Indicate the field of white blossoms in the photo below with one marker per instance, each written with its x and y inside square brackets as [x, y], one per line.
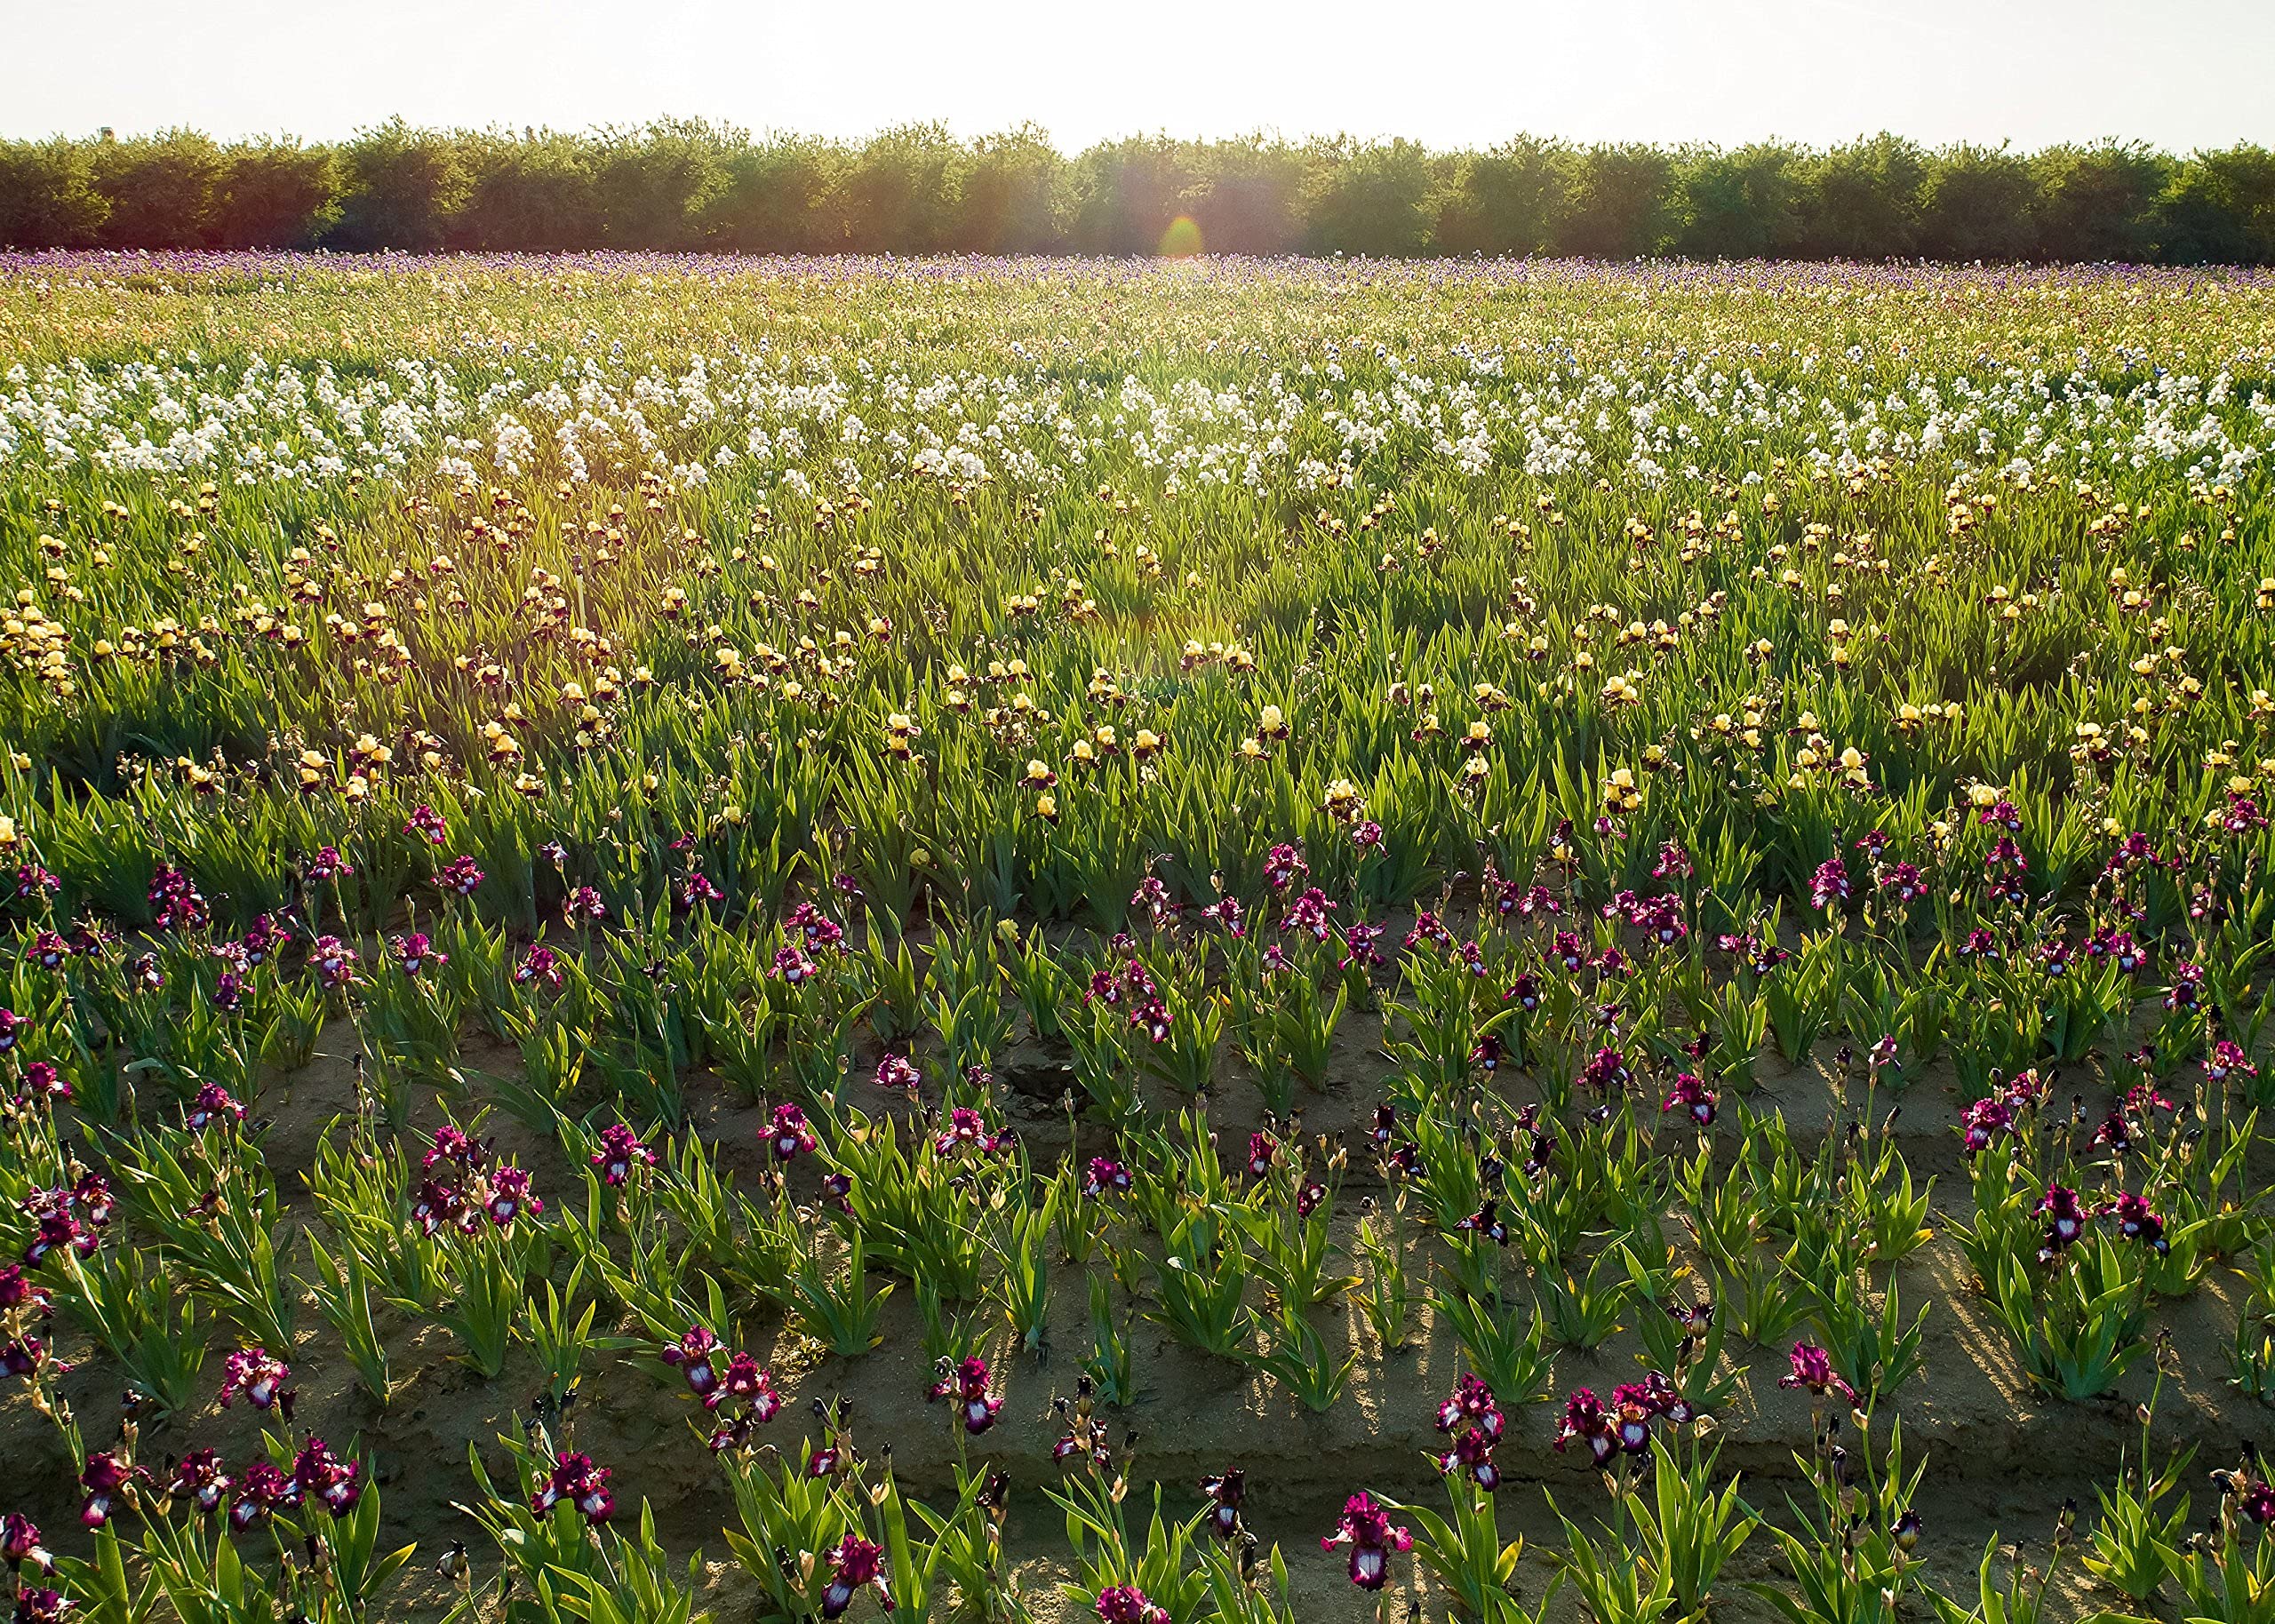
[1140, 940]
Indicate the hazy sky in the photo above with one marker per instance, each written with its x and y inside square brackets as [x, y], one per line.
[2179, 73]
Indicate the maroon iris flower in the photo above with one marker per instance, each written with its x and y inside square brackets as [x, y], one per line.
[40, 1606]
[2227, 1060]
[1472, 1404]
[198, 1478]
[1694, 1096]
[1812, 1368]
[620, 1151]
[1587, 1421]
[20, 1543]
[1486, 1221]
[1284, 865]
[576, 1480]
[793, 965]
[2065, 1220]
[336, 1484]
[105, 1478]
[1127, 1604]
[263, 1490]
[1226, 1492]
[333, 961]
[1475, 1421]
[1089, 1435]
[744, 1381]
[691, 1356]
[1607, 1070]
[416, 952]
[1985, 1121]
[509, 1196]
[966, 1385]
[17, 1291]
[2136, 1221]
[966, 1130]
[854, 1562]
[212, 1105]
[256, 1376]
[1366, 1528]
[790, 1136]
[540, 966]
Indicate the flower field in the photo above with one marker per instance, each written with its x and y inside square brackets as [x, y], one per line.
[1140, 940]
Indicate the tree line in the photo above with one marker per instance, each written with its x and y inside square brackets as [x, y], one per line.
[917, 189]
